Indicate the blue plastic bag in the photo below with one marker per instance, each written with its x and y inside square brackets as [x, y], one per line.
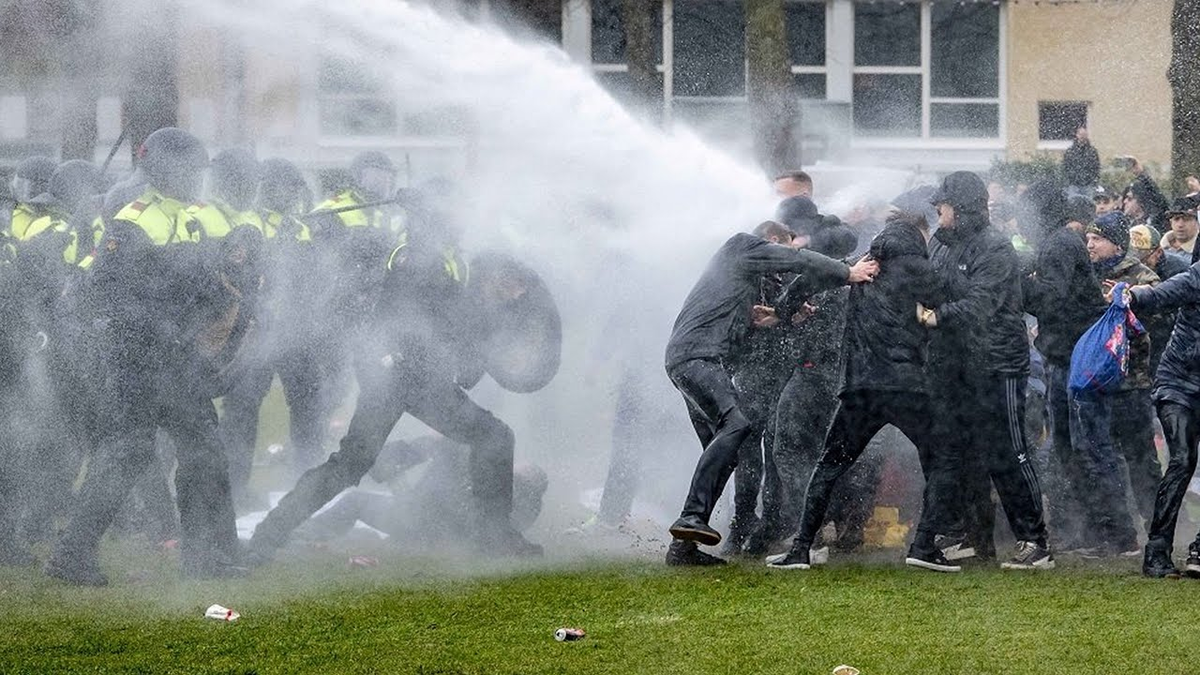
[1100, 360]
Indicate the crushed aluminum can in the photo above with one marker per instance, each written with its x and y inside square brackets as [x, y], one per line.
[569, 634]
[221, 613]
[363, 561]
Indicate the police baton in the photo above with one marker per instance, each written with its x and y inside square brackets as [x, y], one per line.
[113, 152]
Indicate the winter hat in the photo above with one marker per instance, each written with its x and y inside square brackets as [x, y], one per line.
[918, 201]
[964, 191]
[1114, 227]
[1049, 204]
[1184, 206]
[1144, 238]
[799, 214]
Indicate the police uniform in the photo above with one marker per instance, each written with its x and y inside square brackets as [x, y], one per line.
[151, 285]
[410, 367]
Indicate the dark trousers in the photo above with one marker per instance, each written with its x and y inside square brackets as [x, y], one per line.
[1091, 429]
[1068, 507]
[758, 386]
[1133, 436]
[720, 425]
[1181, 429]
[386, 394]
[803, 416]
[981, 416]
[300, 373]
[140, 395]
[859, 417]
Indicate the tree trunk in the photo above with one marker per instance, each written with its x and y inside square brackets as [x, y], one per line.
[637, 22]
[81, 62]
[770, 87]
[1184, 75]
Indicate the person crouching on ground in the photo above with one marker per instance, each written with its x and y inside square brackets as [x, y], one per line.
[714, 321]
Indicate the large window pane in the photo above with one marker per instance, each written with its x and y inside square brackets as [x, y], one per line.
[620, 85]
[887, 34]
[710, 48]
[806, 33]
[964, 120]
[887, 105]
[965, 50]
[810, 85]
[608, 31]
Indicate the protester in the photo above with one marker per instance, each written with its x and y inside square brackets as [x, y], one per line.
[1081, 164]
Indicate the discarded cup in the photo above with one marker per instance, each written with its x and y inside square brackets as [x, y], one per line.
[363, 561]
[845, 670]
[569, 634]
[221, 613]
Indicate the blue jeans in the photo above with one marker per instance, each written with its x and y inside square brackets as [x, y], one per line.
[1091, 432]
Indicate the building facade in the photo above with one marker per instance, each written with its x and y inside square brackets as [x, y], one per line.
[930, 85]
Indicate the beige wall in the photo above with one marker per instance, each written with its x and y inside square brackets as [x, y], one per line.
[1113, 54]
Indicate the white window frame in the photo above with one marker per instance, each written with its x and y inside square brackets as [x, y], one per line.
[926, 139]
[817, 70]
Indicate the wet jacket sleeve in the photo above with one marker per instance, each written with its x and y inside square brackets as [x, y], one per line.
[984, 290]
[925, 286]
[1181, 289]
[819, 272]
[1048, 292]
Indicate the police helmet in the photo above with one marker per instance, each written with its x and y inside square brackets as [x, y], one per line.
[235, 176]
[172, 160]
[74, 181]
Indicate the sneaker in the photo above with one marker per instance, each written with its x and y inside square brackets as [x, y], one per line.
[78, 572]
[1029, 555]
[933, 560]
[795, 559]
[1191, 568]
[954, 548]
[1157, 564]
[692, 528]
[686, 554]
[816, 556]
[1109, 550]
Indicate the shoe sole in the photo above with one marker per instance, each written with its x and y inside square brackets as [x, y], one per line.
[793, 566]
[926, 565]
[1039, 565]
[699, 536]
[958, 552]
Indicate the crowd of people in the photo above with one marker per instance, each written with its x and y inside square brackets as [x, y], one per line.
[129, 307]
[955, 325]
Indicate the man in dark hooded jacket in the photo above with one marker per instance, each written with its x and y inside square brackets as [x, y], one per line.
[709, 330]
[1081, 163]
[1177, 397]
[1062, 292]
[979, 358]
[885, 383]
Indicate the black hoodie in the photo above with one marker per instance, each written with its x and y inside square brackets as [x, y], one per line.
[885, 345]
[1061, 291]
[981, 323]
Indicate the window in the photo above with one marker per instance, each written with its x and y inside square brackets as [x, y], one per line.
[806, 46]
[1057, 121]
[350, 102]
[949, 89]
[964, 71]
[709, 48]
[608, 32]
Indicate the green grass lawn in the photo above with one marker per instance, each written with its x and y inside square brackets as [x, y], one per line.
[415, 616]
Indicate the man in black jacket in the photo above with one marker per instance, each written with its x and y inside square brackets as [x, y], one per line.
[1062, 292]
[1177, 397]
[885, 383]
[979, 359]
[1081, 164]
[709, 329]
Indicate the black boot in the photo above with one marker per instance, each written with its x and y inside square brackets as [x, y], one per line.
[740, 531]
[1157, 564]
[686, 554]
[691, 528]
